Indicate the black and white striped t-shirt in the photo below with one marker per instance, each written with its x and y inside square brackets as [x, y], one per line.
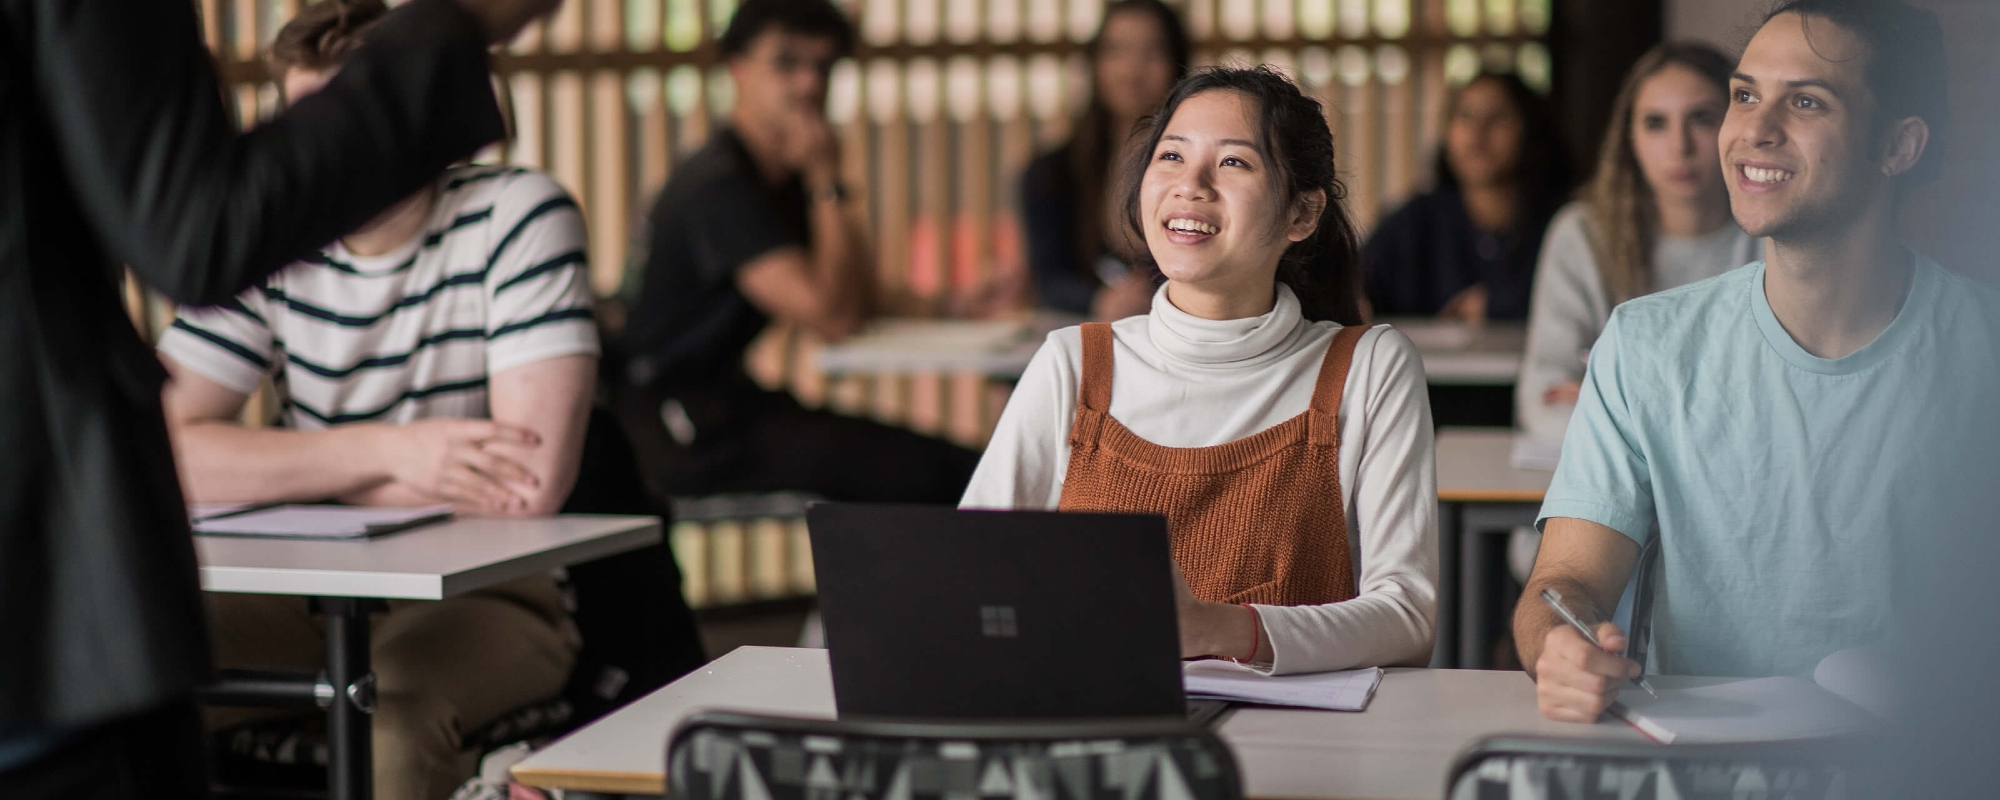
[498, 280]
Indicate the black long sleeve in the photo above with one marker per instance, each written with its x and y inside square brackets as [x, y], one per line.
[117, 147]
[200, 210]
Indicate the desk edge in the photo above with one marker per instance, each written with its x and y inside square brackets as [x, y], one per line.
[1492, 496]
[590, 780]
[478, 578]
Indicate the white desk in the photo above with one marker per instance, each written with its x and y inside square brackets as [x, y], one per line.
[346, 579]
[1480, 494]
[1458, 355]
[999, 349]
[428, 563]
[1475, 465]
[1453, 354]
[1399, 748]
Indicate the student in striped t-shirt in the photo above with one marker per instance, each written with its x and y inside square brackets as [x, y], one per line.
[443, 352]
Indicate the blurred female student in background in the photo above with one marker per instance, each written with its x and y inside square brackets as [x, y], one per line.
[1288, 445]
[1466, 249]
[1654, 216]
[1076, 249]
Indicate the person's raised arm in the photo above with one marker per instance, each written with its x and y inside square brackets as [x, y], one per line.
[1588, 564]
[199, 209]
[826, 287]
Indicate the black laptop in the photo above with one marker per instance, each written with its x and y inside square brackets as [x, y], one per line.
[935, 612]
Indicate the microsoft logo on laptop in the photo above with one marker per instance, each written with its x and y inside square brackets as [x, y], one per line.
[998, 622]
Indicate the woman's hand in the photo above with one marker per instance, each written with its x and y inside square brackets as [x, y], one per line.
[1217, 629]
[1562, 394]
[1469, 305]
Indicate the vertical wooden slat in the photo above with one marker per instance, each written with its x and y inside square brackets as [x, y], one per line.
[530, 98]
[610, 163]
[892, 178]
[244, 33]
[1359, 103]
[568, 141]
[211, 24]
[1432, 87]
[1399, 116]
[566, 28]
[655, 160]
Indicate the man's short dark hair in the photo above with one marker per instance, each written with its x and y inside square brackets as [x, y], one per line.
[803, 17]
[1905, 68]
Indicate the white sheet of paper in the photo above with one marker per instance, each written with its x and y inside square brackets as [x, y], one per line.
[1750, 710]
[1863, 676]
[320, 522]
[1346, 690]
[1438, 335]
[1533, 453]
[201, 511]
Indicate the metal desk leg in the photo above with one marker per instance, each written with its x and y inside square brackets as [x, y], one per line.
[1475, 571]
[1444, 655]
[1484, 529]
[350, 772]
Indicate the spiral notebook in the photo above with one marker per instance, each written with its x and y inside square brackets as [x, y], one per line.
[319, 522]
[1345, 690]
[1754, 710]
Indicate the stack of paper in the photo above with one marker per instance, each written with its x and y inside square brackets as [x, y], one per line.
[1347, 690]
[1532, 453]
[1754, 710]
[320, 522]
[201, 511]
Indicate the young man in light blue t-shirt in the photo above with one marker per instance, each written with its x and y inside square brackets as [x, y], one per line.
[1776, 426]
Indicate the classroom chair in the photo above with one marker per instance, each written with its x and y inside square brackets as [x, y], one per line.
[1537, 768]
[725, 756]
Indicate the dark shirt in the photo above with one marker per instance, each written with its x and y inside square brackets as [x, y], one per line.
[1049, 215]
[116, 148]
[688, 325]
[1429, 250]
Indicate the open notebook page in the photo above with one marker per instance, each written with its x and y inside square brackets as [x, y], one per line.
[1750, 710]
[1346, 690]
[321, 522]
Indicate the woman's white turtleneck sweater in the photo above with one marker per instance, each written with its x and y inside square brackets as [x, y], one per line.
[1183, 381]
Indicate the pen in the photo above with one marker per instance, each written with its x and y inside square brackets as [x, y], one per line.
[1555, 601]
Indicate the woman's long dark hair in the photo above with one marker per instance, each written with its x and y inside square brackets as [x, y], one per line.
[1093, 149]
[1324, 268]
[1542, 176]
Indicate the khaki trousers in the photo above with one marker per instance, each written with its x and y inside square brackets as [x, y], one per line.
[442, 669]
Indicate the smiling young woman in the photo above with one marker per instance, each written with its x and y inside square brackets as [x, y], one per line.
[1288, 446]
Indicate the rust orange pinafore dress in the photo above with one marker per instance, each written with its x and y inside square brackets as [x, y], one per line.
[1256, 520]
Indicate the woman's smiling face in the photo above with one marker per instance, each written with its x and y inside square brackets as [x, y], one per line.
[1211, 204]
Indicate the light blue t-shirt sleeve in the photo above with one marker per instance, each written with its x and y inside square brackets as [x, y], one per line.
[1603, 476]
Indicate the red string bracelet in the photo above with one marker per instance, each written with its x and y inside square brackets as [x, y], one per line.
[1256, 635]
